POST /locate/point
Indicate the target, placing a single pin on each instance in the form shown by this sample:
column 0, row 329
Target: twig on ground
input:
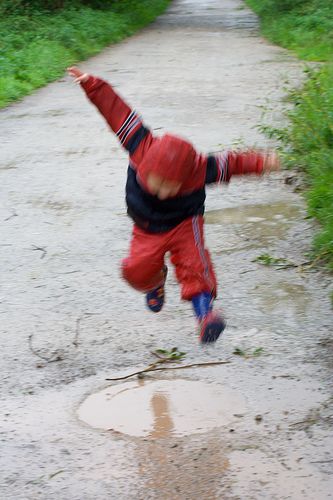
column 55, row 356
column 51, row 476
column 75, row 341
column 282, row 263
column 77, row 332
column 41, row 249
column 311, row 263
column 322, row 461
column 155, row 368
column 14, row 214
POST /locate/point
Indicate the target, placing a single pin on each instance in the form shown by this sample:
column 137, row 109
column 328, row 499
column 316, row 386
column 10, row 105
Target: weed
column 268, row 260
column 239, row 352
column 258, row 351
column 172, row 354
column 247, row 354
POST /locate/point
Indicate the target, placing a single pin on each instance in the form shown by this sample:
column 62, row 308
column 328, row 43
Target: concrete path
column 68, row 321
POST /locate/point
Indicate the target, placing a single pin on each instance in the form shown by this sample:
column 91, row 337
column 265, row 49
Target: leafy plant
column 247, row 354
column 258, row 351
column 172, row 354
column 268, row 260
column 239, row 352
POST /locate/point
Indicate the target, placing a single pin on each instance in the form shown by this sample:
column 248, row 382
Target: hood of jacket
column 173, row 159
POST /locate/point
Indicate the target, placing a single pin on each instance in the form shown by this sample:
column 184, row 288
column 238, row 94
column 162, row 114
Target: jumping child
column 165, row 195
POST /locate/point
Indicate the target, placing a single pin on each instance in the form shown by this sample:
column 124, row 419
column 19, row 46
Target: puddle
column 286, row 296
column 57, row 206
column 274, row 213
column 162, row 408
column 257, row 225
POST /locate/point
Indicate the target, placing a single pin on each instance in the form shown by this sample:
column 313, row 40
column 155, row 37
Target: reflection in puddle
column 172, row 472
column 163, row 424
column 161, row 408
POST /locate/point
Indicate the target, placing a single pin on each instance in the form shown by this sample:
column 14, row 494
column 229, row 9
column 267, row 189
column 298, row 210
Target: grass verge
column 36, row 46
column 306, row 27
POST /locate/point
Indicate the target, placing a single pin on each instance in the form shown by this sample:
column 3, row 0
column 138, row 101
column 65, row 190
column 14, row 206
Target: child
column 165, row 195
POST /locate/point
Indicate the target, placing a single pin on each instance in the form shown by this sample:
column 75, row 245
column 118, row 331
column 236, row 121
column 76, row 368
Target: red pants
column 194, row 270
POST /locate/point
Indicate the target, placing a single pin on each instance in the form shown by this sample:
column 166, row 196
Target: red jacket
column 169, row 156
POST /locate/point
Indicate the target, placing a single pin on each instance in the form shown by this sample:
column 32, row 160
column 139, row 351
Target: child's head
column 166, row 166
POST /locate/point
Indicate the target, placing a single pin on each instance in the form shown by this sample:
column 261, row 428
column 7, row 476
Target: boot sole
column 212, row 331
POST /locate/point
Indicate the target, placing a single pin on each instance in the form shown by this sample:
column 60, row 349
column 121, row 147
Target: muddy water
column 68, row 321
column 162, row 408
column 255, row 225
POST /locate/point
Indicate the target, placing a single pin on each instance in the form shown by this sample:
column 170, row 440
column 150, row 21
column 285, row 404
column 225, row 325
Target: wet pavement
column 68, row 321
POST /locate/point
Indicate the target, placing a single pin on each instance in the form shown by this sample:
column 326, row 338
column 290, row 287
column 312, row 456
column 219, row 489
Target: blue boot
column 155, row 298
column 211, row 323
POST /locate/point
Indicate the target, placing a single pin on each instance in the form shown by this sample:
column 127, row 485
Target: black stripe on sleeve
column 212, row 169
column 135, row 140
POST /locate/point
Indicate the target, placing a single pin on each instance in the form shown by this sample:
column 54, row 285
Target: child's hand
column 77, row 74
column 271, row 162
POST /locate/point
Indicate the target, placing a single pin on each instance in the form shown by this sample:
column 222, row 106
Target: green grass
column 306, row 27
column 36, row 47
column 310, row 137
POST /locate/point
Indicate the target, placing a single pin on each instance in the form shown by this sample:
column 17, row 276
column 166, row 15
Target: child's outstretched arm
column 222, row 166
column 123, row 121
